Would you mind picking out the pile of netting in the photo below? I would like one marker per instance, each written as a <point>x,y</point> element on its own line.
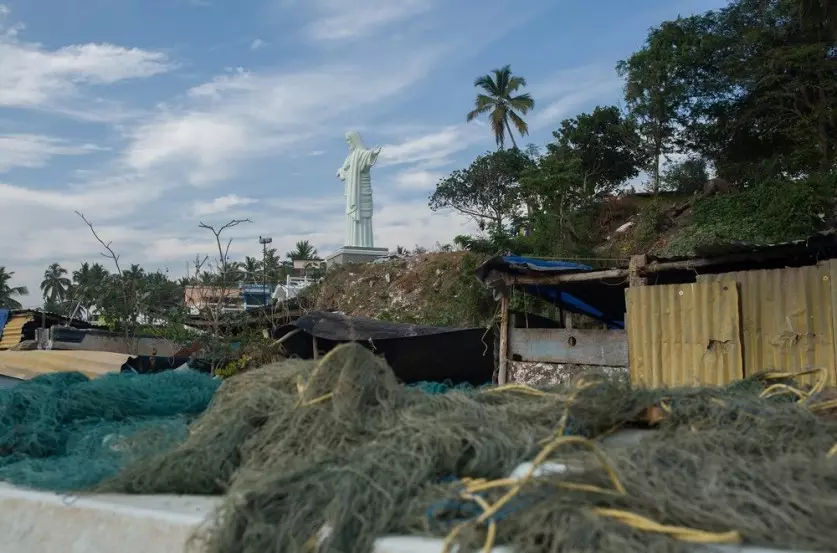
<point>329,456</point>
<point>63,431</point>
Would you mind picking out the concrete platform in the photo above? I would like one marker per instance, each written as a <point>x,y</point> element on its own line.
<point>42,522</point>
<point>352,254</point>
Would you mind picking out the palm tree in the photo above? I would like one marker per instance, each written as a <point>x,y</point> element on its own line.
<point>303,251</point>
<point>252,269</point>
<point>498,100</point>
<point>55,285</point>
<point>8,293</point>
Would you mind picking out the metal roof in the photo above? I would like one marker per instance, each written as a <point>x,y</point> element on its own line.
<point>519,265</point>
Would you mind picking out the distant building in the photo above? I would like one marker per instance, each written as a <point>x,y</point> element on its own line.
<point>231,299</point>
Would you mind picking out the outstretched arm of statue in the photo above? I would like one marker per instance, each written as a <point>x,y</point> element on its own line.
<point>375,154</point>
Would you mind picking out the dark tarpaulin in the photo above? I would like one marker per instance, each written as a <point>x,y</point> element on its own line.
<point>415,352</point>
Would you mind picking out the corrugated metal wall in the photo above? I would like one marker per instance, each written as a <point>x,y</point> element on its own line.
<point>787,318</point>
<point>13,330</point>
<point>684,334</point>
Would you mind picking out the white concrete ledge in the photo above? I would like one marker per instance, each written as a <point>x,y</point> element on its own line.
<point>42,522</point>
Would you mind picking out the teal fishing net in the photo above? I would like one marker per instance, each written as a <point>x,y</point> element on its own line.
<point>65,432</point>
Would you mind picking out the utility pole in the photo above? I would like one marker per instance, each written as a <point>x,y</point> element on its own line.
<point>264,241</point>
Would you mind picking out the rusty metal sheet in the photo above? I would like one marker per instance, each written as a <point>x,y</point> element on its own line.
<point>684,334</point>
<point>787,318</point>
<point>29,364</point>
<point>607,348</point>
<point>13,331</point>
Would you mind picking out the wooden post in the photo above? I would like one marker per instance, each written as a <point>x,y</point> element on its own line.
<point>636,266</point>
<point>504,340</point>
<point>316,351</point>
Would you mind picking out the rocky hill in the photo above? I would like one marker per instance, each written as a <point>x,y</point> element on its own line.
<point>437,289</point>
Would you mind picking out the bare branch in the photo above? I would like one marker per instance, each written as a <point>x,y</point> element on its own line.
<point>110,253</point>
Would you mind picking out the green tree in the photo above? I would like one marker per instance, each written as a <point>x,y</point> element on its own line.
<point>55,284</point>
<point>655,94</point>
<point>488,190</point>
<point>687,177</point>
<point>606,145</point>
<point>499,99</point>
<point>750,87</point>
<point>9,294</point>
<point>303,250</point>
<point>252,269</point>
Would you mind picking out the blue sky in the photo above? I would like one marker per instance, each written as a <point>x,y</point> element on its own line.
<point>150,116</point>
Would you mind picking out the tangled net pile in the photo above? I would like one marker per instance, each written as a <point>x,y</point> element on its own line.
<point>65,432</point>
<point>329,456</point>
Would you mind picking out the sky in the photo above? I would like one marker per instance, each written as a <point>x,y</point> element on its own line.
<point>152,116</point>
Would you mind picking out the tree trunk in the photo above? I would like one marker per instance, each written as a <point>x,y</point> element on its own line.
<point>511,135</point>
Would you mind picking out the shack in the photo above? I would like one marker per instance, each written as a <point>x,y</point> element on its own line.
<point>415,352</point>
<point>728,312</point>
<point>21,325</point>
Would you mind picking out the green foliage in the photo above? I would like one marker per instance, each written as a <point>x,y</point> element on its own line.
<point>774,211</point>
<point>487,191</point>
<point>9,294</point>
<point>303,250</point>
<point>651,220</point>
<point>687,177</point>
<point>55,285</point>
<point>606,146</point>
<point>498,99</point>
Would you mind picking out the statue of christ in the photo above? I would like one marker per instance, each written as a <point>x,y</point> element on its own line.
<point>355,173</point>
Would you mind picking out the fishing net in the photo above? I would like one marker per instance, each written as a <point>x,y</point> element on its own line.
<point>335,454</point>
<point>64,432</point>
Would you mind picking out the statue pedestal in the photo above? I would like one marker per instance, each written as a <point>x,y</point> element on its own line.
<point>354,254</point>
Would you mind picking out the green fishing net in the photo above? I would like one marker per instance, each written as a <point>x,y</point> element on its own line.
<point>64,432</point>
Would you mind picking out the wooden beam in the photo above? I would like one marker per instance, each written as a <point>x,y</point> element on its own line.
<point>635,269</point>
<point>502,369</point>
<point>519,280</point>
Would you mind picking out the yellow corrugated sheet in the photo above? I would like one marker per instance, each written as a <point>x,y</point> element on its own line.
<point>29,364</point>
<point>787,317</point>
<point>13,330</point>
<point>684,334</point>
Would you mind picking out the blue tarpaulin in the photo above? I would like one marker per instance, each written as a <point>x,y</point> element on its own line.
<point>517,265</point>
<point>4,318</point>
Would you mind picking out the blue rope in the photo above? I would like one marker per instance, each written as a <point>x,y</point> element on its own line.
<point>460,511</point>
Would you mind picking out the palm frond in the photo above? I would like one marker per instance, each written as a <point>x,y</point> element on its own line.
<point>522,103</point>
<point>487,84</point>
<point>479,111</point>
<point>515,84</point>
<point>521,125</point>
<point>498,125</point>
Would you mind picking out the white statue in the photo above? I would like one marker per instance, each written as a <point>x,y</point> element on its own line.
<point>358,191</point>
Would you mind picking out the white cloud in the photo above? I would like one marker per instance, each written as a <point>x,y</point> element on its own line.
<point>257,43</point>
<point>346,19</point>
<point>417,179</point>
<point>31,150</point>
<point>568,90</point>
<point>433,149</point>
<point>110,198</point>
<point>243,115</point>
<point>33,76</point>
<point>222,204</point>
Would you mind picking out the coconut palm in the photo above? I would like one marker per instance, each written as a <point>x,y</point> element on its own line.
<point>252,269</point>
<point>9,293</point>
<point>55,284</point>
<point>303,250</point>
<point>498,99</point>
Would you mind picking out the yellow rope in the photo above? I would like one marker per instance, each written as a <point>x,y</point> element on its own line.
<point>832,452</point>
<point>824,406</point>
<point>779,389</point>
<point>683,534</point>
<point>521,388</point>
